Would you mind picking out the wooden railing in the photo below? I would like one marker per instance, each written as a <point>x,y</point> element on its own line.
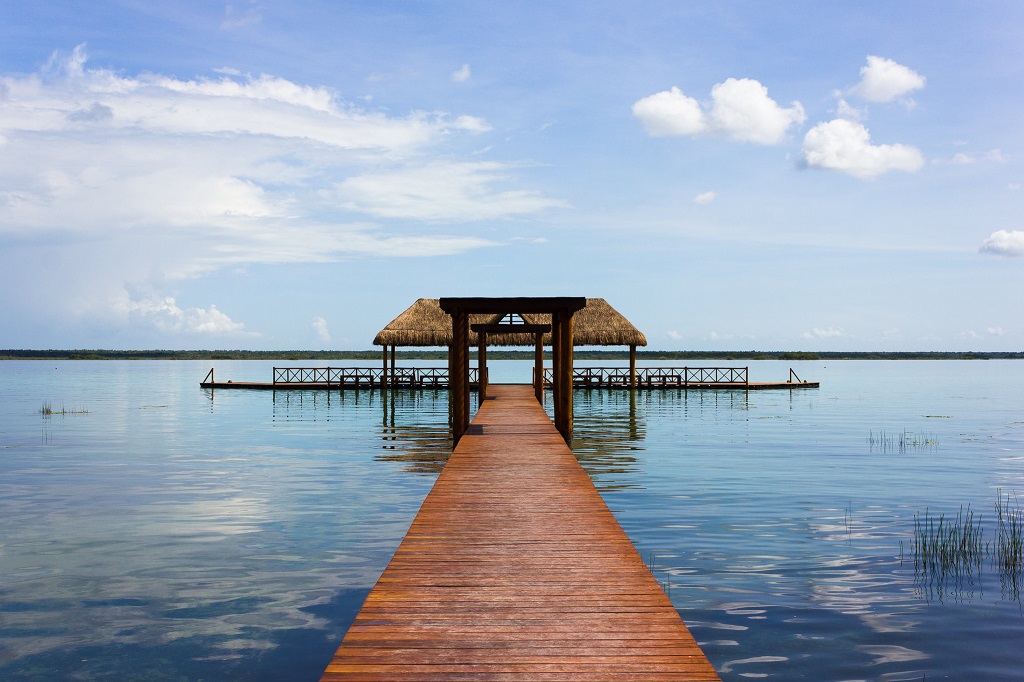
<point>358,377</point>
<point>683,377</point>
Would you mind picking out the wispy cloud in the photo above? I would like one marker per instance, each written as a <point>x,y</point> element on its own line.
<point>824,333</point>
<point>323,335</point>
<point>705,198</point>
<point>234,169</point>
<point>239,15</point>
<point>442,191</point>
<point>462,74</point>
<point>966,158</point>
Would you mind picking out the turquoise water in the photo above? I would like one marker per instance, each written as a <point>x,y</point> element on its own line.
<point>157,531</point>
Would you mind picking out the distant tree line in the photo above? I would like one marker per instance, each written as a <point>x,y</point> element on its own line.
<point>495,354</point>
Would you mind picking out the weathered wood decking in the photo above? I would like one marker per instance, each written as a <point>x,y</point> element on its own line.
<point>514,568</point>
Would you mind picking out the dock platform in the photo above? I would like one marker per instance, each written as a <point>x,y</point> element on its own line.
<point>515,568</point>
<point>653,378</point>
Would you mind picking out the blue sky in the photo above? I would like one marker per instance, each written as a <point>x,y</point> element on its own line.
<point>744,175</point>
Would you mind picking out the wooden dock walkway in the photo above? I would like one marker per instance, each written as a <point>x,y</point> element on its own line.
<point>514,568</point>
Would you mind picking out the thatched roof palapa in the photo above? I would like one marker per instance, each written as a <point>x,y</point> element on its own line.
<point>425,324</point>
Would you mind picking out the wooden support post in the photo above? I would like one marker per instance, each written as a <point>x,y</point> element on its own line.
<point>538,367</point>
<point>384,374</point>
<point>460,375</point>
<point>481,368</point>
<point>392,381</point>
<point>632,365</point>
<point>565,365</point>
<point>451,377</point>
<point>556,386</point>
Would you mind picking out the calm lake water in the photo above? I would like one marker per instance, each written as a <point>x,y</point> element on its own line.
<point>157,531</point>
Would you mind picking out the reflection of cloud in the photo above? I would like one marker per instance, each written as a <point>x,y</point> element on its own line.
<point>891,654</point>
<point>729,665</point>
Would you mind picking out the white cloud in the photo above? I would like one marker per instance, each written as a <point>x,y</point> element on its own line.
<point>166,316</point>
<point>883,80</point>
<point>743,110</point>
<point>323,335</point>
<point>462,74</point>
<point>670,113</point>
<point>160,178</point>
<point>994,331</point>
<point>740,109</point>
<point>61,99</point>
<point>442,191</point>
<point>826,333</point>
<point>674,335</point>
<point>715,336</point>
<point>846,146</point>
<point>1004,243</point>
<point>705,198</point>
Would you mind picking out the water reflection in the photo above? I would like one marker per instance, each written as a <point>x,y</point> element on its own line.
<point>608,435</point>
<point>415,429</point>
<point>414,426</point>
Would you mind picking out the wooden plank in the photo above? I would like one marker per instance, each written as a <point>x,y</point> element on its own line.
<point>514,568</point>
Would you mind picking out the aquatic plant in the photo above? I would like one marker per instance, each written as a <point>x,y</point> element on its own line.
<point>948,552</point>
<point>1009,532</point>
<point>1009,545</point>
<point>948,545</point>
<point>47,410</point>
<point>901,442</point>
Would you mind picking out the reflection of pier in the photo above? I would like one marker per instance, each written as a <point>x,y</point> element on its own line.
<point>515,568</point>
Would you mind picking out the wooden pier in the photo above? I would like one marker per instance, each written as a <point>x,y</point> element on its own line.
<point>340,378</point>
<point>514,568</point>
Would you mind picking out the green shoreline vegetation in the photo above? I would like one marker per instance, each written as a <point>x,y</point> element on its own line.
<point>495,354</point>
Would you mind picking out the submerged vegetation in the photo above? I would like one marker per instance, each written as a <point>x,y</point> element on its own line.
<point>901,442</point>
<point>949,553</point>
<point>47,410</point>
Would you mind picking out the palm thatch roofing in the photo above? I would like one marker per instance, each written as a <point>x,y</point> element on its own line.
<point>425,324</point>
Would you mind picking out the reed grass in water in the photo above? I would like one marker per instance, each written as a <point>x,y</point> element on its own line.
<point>901,442</point>
<point>47,410</point>
<point>949,552</point>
